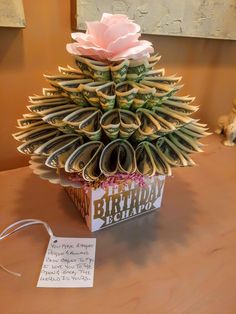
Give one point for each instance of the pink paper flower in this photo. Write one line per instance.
(114, 38)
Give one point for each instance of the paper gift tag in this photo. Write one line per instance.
(68, 263)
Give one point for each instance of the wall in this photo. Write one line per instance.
(25, 54)
(201, 18)
(208, 70)
(208, 67)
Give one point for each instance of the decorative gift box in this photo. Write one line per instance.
(104, 207)
(110, 202)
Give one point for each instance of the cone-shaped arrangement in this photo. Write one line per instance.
(108, 117)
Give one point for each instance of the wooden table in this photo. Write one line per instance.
(180, 260)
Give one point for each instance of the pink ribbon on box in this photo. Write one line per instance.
(112, 181)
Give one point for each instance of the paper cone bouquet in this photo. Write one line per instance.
(115, 113)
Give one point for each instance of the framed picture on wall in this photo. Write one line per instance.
(12, 13)
(190, 18)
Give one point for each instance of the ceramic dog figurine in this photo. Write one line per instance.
(227, 126)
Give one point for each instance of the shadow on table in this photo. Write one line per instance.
(135, 241)
(147, 236)
(42, 200)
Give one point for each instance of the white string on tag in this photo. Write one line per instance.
(17, 226)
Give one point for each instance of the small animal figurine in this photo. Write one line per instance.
(227, 126)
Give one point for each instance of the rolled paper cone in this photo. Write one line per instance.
(90, 126)
(185, 143)
(137, 69)
(166, 127)
(191, 133)
(119, 71)
(137, 103)
(48, 100)
(99, 72)
(55, 79)
(171, 152)
(92, 135)
(190, 141)
(67, 129)
(111, 132)
(110, 122)
(153, 60)
(79, 99)
(149, 125)
(50, 91)
(162, 90)
(144, 94)
(162, 166)
(168, 80)
(62, 77)
(117, 156)
(90, 94)
(45, 110)
(82, 65)
(47, 148)
(183, 99)
(91, 172)
(33, 133)
(74, 90)
(83, 155)
(30, 115)
(84, 120)
(28, 123)
(125, 94)
(139, 136)
(59, 157)
(162, 93)
(56, 119)
(32, 125)
(119, 123)
(107, 96)
(86, 64)
(73, 85)
(38, 107)
(179, 107)
(154, 73)
(69, 70)
(150, 161)
(45, 98)
(77, 117)
(129, 122)
(190, 162)
(144, 160)
(172, 116)
(29, 147)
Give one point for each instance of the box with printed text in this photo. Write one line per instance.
(104, 207)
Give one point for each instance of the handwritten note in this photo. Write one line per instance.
(68, 263)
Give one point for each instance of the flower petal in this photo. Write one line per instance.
(96, 30)
(84, 40)
(143, 47)
(109, 19)
(82, 36)
(71, 48)
(93, 52)
(113, 32)
(115, 37)
(122, 43)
